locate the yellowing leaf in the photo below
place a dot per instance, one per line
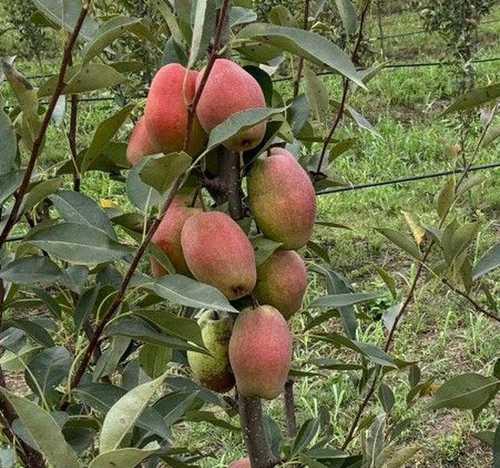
(107, 203)
(417, 230)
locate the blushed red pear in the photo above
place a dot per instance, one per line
(282, 199)
(260, 352)
(241, 463)
(230, 89)
(140, 144)
(218, 252)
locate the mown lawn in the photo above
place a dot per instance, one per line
(440, 331)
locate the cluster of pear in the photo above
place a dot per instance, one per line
(255, 350)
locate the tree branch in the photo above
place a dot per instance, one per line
(340, 111)
(291, 420)
(37, 144)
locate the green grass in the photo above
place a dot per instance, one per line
(440, 330)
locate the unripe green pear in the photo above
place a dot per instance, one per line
(168, 235)
(228, 90)
(260, 352)
(166, 113)
(218, 253)
(140, 144)
(241, 463)
(282, 199)
(282, 282)
(214, 371)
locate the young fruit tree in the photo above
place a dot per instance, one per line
(126, 324)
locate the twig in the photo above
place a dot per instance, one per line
(178, 183)
(300, 66)
(466, 296)
(73, 128)
(409, 297)
(37, 144)
(291, 419)
(345, 91)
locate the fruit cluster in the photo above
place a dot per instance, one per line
(256, 350)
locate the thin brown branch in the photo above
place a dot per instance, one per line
(300, 66)
(72, 135)
(471, 301)
(411, 291)
(291, 419)
(178, 183)
(340, 111)
(37, 144)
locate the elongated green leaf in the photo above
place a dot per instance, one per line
(342, 300)
(40, 192)
(475, 98)
(203, 29)
(154, 359)
(44, 430)
(33, 329)
(488, 262)
(305, 44)
(403, 241)
(84, 79)
(77, 243)
(103, 135)
(31, 270)
(65, 13)
(307, 433)
(49, 368)
(491, 135)
(466, 391)
(109, 32)
(9, 183)
(75, 207)
(124, 413)
(446, 197)
(8, 145)
(185, 291)
(348, 15)
(160, 171)
(142, 196)
(141, 330)
(123, 458)
(239, 15)
(317, 95)
(237, 122)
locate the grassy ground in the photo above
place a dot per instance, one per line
(440, 331)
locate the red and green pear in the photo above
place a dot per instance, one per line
(260, 352)
(228, 90)
(140, 144)
(282, 282)
(168, 235)
(214, 371)
(218, 253)
(166, 113)
(282, 199)
(241, 463)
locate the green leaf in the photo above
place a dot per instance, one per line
(78, 243)
(29, 270)
(264, 248)
(348, 15)
(488, 262)
(239, 15)
(281, 16)
(103, 135)
(307, 433)
(475, 98)
(40, 192)
(34, 330)
(185, 291)
(140, 194)
(309, 45)
(185, 328)
(85, 306)
(238, 122)
(124, 413)
(123, 458)
(458, 240)
(49, 368)
(386, 397)
(466, 391)
(491, 135)
(65, 13)
(109, 32)
(374, 442)
(204, 25)
(446, 197)
(160, 171)
(8, 184)
(335, 301)
(90, 77)
(388, 279)
(8, 145)
(154, 359)
(77, 208)
(44, 430)
(317, 95)
(101, 397)
(165, 10)
(141, 330)
(403, 241)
